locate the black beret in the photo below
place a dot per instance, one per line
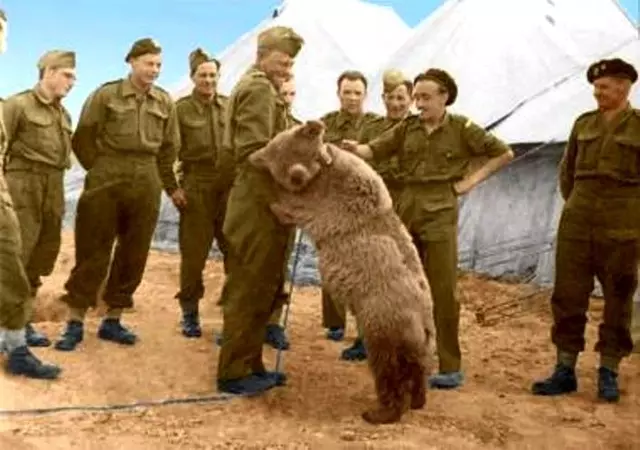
(445, 80)
(615, 67)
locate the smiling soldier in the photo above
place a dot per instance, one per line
(126, 139)
(38, 150)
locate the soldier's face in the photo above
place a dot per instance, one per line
(146, 68)
(611, 93)
(288, 92)
(397, 102)
(205, 78)
(351, 94)
(278, 66)
(430, 99)
(60, 80)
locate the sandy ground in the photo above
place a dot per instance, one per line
(321, 406)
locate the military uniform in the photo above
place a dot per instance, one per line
(38, 150)
(431, 163)
(127, 141)
(201, 123)
(15, 291)
(339, 126)
(275, 335)
(257, 241)
(598, 235)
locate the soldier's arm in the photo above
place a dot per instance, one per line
(385, 145)
(482, 143)
(11, 112)
(568, 166)
(168, 151)
(84, 140)
(255, 112)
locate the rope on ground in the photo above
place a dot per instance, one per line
(218, 398)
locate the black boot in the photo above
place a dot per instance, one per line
(249, 386)
(276, 338)
(112, 330)
(22, 362)
(35, 338)
(608, 385)
(357, 352)
(191, 325)
(72, 336)
(335, 334)
(562, 381)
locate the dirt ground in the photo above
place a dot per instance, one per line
(321, 406)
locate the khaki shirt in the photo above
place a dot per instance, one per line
(37, 130)
(201, 128)
(255, 114)
(389, 169)
(5, 197)
(118, 119)
(443, 155)
(596, 149)
(341, 126)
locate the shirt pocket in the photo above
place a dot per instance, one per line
(155, 124)
(588, 144)
(121, 120)
(195, 136)
(629, 161)
(40, 130)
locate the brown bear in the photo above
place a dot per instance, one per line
(366, 257)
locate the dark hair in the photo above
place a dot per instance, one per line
(352, 75)
(445, 82)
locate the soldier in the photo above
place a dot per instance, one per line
(340, 125)
(435, 150)
(275, 335)
(126, 139)
(396, 95)
(599, 231)
(257, 241)
(38, 148)
(201, 197)
(15, 290)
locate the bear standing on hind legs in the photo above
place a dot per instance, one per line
(366, 257)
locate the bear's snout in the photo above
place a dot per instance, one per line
(298, 176)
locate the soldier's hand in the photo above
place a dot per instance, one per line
(179, 198)
(349, 145)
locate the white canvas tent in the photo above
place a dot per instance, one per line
(334, 42)
(546, 122)
(501, 52)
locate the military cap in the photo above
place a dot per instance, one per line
(445, 80)
(58, 59)
(281, 38)
(200, 56)
(615, 67)
(391, 79)
(142, 47)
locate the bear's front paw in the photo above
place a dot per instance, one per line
(379, 416)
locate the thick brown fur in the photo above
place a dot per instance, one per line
(366, 258)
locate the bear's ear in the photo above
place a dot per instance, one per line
(312, 128)
(258, 158)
